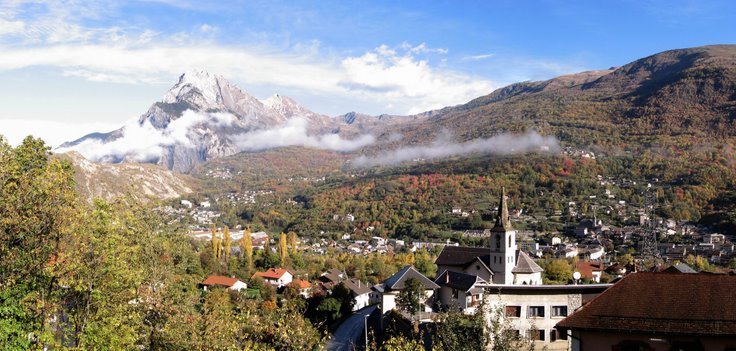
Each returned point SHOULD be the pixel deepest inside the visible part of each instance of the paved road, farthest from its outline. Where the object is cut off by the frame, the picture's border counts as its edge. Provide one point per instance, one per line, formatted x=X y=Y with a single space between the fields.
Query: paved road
x=349 y=334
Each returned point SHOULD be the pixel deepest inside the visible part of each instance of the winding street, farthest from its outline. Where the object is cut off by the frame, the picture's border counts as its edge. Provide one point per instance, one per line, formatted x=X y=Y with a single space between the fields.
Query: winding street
x=349 y=335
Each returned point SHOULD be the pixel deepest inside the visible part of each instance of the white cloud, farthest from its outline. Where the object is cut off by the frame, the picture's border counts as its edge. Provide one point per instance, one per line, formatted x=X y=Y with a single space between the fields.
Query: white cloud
x=145 y=143
x=396 y=77
x=501 y=144
x=54 y=35
x=478 y=57
x=294 y=133
x=11 y=27
x=423 y=49
x=410 y=84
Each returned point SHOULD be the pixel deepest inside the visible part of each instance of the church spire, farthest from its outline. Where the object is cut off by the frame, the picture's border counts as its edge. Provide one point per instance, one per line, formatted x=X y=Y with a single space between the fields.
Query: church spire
x=503 y=221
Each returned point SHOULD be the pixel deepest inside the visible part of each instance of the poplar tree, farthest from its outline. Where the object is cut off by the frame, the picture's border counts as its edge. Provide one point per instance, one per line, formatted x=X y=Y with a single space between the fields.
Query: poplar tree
x=283 y=249
x=215 y=242
x=267 y=246
x=228 y=241
x=292 y=242
x=246 y=246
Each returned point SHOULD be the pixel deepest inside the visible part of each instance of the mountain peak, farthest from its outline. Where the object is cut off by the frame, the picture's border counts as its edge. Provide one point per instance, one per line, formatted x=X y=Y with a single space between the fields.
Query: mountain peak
x=197 y=82
x=285 y=106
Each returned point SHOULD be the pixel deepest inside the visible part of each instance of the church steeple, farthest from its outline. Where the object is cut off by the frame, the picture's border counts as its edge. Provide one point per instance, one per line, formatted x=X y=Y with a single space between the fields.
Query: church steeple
x=503 y=221
x=503 y=245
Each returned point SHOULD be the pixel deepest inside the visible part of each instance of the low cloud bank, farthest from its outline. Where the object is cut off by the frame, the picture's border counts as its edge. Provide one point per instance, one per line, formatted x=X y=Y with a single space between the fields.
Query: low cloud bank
x=502 y=144
x=145 y=143
x=294 y=133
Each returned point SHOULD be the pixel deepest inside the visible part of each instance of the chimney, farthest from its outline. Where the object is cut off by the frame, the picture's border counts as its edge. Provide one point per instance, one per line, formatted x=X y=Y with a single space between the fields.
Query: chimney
x=447 y=277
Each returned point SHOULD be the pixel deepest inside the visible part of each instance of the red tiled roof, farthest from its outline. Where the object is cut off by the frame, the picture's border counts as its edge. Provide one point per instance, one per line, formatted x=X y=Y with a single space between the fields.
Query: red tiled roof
x=671 y=304
x=220 y=280
x=586 y=269
x=301 y=284
x=271 y=273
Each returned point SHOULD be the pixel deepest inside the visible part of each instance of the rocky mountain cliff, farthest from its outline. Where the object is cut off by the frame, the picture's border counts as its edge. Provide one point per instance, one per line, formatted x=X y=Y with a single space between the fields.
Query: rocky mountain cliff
x=144 y=182
x=196 y=121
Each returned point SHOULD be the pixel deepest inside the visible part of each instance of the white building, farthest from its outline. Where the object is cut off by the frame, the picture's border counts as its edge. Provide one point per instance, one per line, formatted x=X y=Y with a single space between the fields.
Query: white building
x=277 y=277
x=533 y=310
x=396 y=283
x=360 y=291
x=226 y=282
x=460 y=290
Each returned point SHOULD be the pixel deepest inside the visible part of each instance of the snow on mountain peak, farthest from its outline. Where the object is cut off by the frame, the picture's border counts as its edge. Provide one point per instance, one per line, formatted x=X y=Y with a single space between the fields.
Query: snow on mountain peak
x=205 y=83
x=273 y=101
x=285 y=106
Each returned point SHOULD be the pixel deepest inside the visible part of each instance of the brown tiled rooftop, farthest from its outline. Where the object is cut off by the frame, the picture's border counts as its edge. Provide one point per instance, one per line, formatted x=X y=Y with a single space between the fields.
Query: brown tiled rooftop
x=689 y=304
x=271 y=273
x=220 y=280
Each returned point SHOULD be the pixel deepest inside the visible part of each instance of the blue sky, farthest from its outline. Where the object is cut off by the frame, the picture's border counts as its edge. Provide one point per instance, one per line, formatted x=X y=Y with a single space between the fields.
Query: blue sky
x=70 y=67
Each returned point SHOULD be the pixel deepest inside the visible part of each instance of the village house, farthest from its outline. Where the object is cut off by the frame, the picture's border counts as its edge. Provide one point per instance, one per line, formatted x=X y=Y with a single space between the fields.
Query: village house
x=590 y=270
x=304 y=287
x=392 y=286
x=277 y=277
x=229 y=283
x=658 y=312
x=460 y=290
x=360 y=291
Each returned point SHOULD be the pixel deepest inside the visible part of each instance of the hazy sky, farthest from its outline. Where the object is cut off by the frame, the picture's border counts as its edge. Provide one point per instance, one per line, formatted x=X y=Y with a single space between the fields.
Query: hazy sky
x=71 y=67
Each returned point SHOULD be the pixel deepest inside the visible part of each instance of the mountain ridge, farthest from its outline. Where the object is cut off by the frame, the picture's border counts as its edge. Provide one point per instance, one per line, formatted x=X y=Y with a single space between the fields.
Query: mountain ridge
x=676 y=92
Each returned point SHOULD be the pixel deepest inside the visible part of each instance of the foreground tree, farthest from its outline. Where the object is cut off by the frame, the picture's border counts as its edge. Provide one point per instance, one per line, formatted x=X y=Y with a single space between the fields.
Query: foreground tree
x=458 y=331
x=410 y=298
x=37 y=202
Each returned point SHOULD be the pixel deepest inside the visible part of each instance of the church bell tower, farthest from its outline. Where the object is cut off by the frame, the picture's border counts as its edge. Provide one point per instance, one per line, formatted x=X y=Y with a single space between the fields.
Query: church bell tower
x=503 y=245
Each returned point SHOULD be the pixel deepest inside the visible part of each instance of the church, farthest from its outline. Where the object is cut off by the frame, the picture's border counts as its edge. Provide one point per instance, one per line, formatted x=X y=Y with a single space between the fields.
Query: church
x=502 y=263
x=506 y=277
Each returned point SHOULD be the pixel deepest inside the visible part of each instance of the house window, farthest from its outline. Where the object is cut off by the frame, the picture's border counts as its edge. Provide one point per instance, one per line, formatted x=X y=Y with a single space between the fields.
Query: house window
x=498 y=241
x=513 y=311
x=509 y=241
x=555 y=335
x=559 y=311
x=475 y=300
x=454 y=293
x=535 y=311
x=536 y=334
